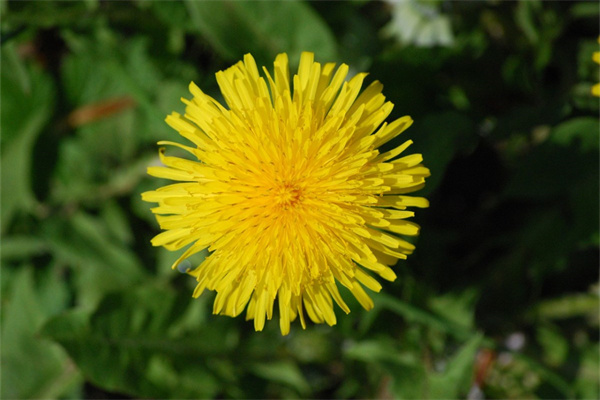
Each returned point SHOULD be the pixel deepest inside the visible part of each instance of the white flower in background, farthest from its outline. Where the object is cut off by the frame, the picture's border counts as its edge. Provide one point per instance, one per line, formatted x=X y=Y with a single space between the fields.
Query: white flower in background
x=419 y=23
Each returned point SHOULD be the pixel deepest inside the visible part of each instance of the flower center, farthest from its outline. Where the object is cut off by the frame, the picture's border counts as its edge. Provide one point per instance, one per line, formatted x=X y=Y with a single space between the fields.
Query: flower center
x=288 y=195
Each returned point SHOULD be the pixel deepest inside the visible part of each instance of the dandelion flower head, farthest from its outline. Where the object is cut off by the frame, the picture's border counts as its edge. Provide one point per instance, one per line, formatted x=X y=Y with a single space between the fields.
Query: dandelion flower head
x=288 y=191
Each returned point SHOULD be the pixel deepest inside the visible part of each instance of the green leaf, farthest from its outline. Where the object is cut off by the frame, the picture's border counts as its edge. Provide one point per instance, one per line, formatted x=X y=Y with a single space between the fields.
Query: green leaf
x=27 y=98
x=456 y=379
x=285 y=372
x=525 y=18
x=127 y=345
x=415 y=314
x=20 y=247
x=123 y=70
x=312 y=346
x=53 y=293
x=117 y=222
x=376 y=350
x=554 y=344
x=101 y=161
x=549 y=376
x=32 y=367
x=438 y=137
x=109 y=136
x=409 y=381
x=49 y=13
x=587 y=383
x=586 y=9
x=171 y=13
x=411 y=378
x=458 y=308
x=100 y=262
x=404 y=366
x=568 y=306
x=264 y=29
x=583 y=131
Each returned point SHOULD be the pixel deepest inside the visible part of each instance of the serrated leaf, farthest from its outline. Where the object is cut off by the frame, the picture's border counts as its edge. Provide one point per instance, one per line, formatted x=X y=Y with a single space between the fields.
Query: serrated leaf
x=414 y=314
x=456 y=307
x=100 y=262
x=32 y=367
x=406 y=370
x=125 y=76
x=455 y=381
x=27 y=100
x=127 y=345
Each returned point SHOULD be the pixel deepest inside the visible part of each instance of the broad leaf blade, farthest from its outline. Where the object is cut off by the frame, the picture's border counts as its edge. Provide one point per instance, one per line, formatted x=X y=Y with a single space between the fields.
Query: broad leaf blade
x=234 y=28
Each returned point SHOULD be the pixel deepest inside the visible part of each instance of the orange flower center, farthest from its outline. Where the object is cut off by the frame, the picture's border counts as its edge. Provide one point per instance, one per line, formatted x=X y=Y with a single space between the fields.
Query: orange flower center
x=288 y=194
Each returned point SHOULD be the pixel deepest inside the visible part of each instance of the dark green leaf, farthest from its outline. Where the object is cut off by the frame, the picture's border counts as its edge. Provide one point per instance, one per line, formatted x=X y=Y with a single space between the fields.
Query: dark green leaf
x=101 y=264
x=439 y=137
x=554 y=344
x=588 y=381
x=456 y=379
x=285 y=372
x=264 y=29
x=568 y=306
x=27 y=102
x=32 y=367
x=582 y=131
x=457 y=308
x=128 y=345
x=414 y=314
x=21 y=247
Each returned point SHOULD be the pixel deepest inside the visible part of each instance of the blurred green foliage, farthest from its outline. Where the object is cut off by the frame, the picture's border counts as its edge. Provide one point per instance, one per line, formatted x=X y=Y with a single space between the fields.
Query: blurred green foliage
x=500 y=299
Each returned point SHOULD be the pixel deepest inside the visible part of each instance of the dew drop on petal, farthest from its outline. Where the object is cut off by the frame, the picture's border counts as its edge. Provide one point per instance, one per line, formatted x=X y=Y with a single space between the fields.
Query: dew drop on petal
x=184 y=266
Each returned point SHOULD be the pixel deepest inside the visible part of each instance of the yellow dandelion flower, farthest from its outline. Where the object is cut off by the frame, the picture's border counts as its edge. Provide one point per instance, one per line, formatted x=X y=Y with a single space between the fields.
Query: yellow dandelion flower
x=596 y=58
x=289 y=194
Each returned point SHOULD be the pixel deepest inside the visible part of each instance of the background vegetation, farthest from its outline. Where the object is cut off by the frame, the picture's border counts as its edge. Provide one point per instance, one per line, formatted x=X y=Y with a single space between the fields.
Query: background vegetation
x=500 y=299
